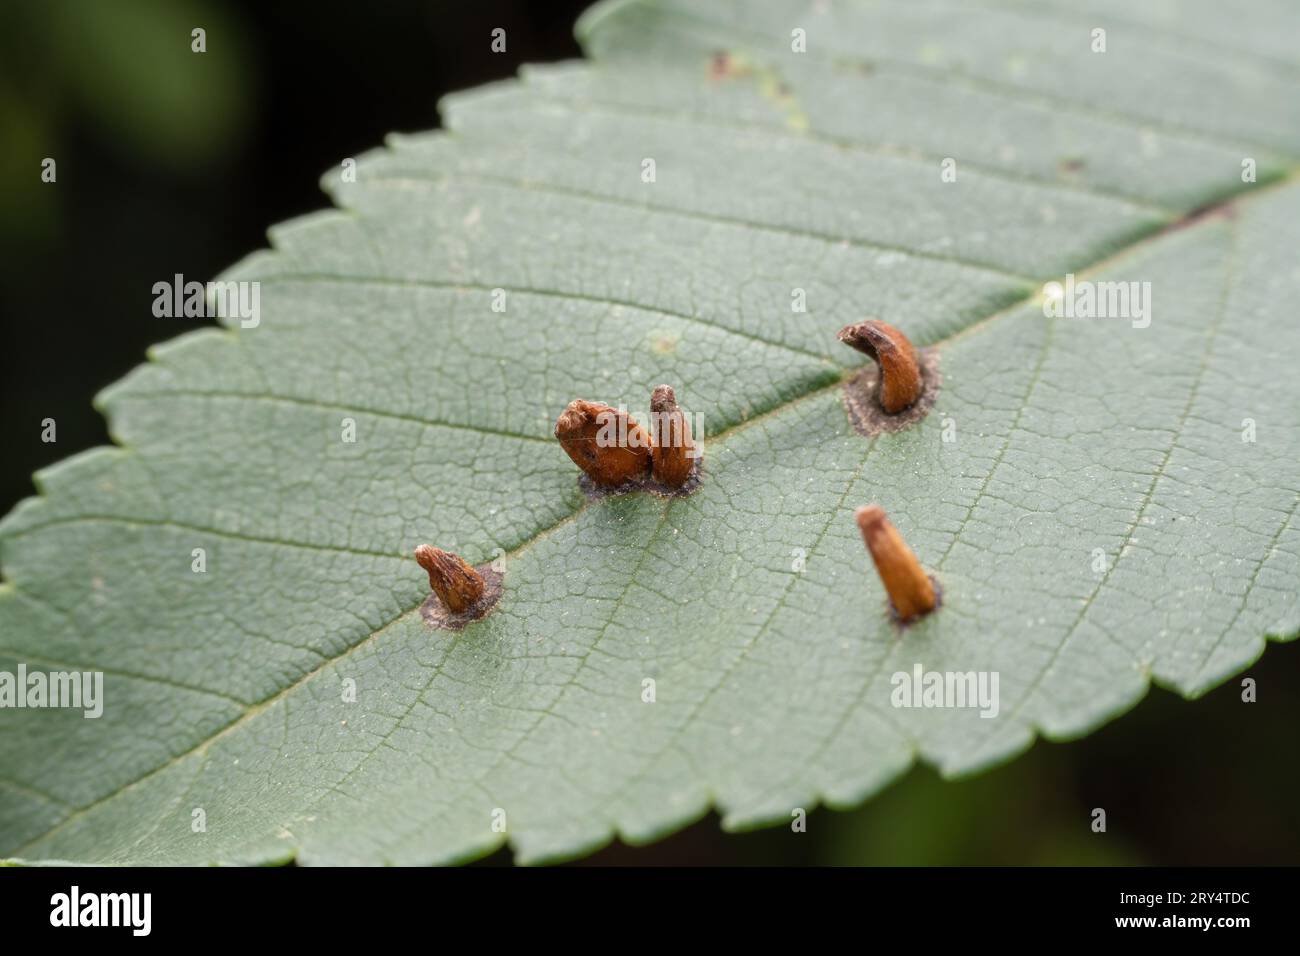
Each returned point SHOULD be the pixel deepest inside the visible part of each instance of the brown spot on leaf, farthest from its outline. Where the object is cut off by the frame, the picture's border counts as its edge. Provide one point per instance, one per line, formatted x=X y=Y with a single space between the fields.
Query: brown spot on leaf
x=664 y=344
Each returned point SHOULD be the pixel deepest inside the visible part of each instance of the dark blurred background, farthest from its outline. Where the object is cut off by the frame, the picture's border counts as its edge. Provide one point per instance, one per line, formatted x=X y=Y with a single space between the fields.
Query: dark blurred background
x=168 y=162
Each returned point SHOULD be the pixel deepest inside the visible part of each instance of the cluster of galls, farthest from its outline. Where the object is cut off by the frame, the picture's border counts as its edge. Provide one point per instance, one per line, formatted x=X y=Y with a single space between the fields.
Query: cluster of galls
x=612 y=449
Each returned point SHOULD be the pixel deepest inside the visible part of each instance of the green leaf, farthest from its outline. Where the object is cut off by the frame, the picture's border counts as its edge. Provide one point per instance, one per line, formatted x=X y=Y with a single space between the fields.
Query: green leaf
x=775 y=171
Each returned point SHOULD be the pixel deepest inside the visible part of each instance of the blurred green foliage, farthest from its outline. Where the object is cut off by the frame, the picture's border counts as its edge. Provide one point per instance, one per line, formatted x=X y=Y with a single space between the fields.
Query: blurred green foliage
x=127 y=68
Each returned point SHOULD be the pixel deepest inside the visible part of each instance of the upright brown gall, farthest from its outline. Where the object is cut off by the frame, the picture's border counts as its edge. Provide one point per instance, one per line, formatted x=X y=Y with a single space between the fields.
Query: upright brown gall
x=910 y=590
x=900 y=375
x=672 y=449
x=457 y=585
x=604 y=442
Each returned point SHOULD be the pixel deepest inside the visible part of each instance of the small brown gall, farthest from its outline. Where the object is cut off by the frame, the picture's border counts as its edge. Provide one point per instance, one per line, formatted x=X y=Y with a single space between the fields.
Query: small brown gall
x=900 y=375
x=672 y=452
x=604 y=442
x=457 y=585
x=910 y=590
